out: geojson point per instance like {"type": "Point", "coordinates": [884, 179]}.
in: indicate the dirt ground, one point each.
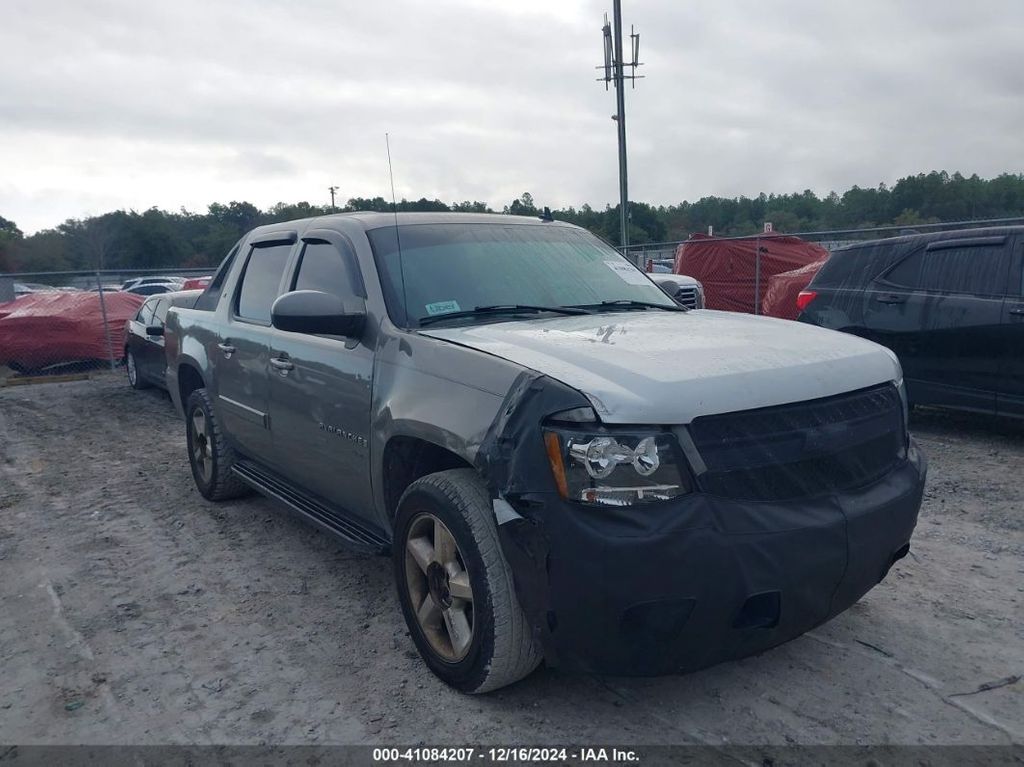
{"type": "Point", "coordinates": [134, 612]}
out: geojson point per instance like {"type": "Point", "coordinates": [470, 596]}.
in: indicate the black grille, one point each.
{"type": "Point", "coordinates": [688, 297]}
{"type": "Point", "coordinates": [803, 449]}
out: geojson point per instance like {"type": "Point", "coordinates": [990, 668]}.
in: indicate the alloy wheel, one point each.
{"type": "Point", "coordinates": [439, 587]}
{"type": "Point", "coordinates": [201, 454]}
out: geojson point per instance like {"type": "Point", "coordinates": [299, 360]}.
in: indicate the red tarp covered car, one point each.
{"type": "Point", "coordinates": [728, 268]}
{"type": "Point", "coordinates": [780, 298]}
{"type": "Point", "coordinates": [43, 329]}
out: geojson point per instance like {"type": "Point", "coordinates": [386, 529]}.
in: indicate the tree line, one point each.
{"type": "Point", "coordinates": [160, 239]}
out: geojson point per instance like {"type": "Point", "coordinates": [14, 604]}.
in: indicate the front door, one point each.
{"type": "Point", "coordinates": [320, 389]}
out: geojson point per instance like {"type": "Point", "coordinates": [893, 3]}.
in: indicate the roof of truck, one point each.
{"type": "Point", "coordinates": [375, 220]}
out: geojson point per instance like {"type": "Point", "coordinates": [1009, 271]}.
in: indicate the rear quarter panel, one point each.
{"type": "Point", "coordinates": [188, 335]}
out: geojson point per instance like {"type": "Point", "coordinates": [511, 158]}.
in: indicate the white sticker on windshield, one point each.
{"type": "Point", "coordinates": [628, 272]}
{"type": "Point", "coordinates": [442, 307]}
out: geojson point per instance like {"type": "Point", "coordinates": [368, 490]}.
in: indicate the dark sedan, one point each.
{"type": "Point", "coordinates": [144, 338]}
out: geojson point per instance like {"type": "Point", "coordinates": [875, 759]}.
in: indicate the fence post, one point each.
{"type": "Point", "coordinates": [757, 275]}
{"type": "Point", "coordinates": [106, 325]}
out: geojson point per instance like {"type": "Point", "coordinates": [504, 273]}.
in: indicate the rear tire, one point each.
{"type": "Point", "coordinates": [452, 577]}
{"type": "Point", "coordinates": [209, 454]}
{"type": "Point", "coordinates": [134, 379]}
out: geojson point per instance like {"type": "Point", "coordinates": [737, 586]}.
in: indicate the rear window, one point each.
{"type": "Point", "coordinates": [973, 270]}
{"type": "Point", "coordinates": [261, 281]}
{"type": "Point", "coordinates": [145, 315]}
{"type": "Point", "coordinates": [160, 314]}
{"type": "Point", "coordinates": [150, 290]}
{"type": "Point", "coordinates": [857, 266]}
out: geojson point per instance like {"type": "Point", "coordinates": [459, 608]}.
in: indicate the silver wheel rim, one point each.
{"type": "Point", "coordinates": [132, 372]}
{"type": "Point", "coordinates": [202, 459]}
{"type": "Point", "coordinates": [439, 587]}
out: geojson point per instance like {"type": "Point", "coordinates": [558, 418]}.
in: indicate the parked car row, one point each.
{"type": "Point", "coordinates": [143, 286]}
{"type": "Point", "coordinates": [29, 288]}
{"type": "Point", "coordinates": [152, 286]}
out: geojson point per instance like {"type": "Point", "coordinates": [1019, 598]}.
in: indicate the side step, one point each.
{"type": "Point", "coordinates": [333, 521]}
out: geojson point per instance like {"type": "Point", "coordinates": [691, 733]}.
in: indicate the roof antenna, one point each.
{"type": "Point", "coordinates": [398, 235]}
{"type": "Point", "coordinates": [546, 215]}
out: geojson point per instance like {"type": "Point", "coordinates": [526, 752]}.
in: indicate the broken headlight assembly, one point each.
{"type": "Point", "coordinates": [610, 468]}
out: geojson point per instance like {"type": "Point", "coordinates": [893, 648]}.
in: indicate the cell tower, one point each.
{"type": "Point", "coordinates": [615, 66]}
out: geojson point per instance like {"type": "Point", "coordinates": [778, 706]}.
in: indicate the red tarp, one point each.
{"type": "Point", "coordinates": [780, 298]}
{"type": "Point", "coordinates": [43, 329]}
{"type": "Point", "coordinates": [727, 268]}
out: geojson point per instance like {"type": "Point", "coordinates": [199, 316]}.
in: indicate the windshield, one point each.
{"type": "Point", "coordinates": [456, 268]}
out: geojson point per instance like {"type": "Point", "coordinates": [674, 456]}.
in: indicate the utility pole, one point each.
{"type": "Point", "coordinates": [615, 66]}
{"type": "Point", "coordinates": [332, 190]}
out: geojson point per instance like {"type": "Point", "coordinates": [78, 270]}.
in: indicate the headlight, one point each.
{"type": "Point", "coordinates": [615, 469]}
{"type": "Point", "coordinates": [902, 388]}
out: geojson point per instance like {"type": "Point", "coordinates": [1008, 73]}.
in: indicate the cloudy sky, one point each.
{"type": "Point", "coordinates": [112, 104]}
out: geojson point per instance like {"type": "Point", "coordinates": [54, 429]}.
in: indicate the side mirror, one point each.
{"type": "Point", "coordinates": [318, 313]}
{"type": "Point", "coordinates": [154, 330]}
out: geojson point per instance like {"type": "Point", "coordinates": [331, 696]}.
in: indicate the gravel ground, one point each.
{"type": "Point", "coordinates": [135, 612]}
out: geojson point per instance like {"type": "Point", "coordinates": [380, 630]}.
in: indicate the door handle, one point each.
{"type": "Point", "coordinates": [891, 299]}
{"type": "Point", "coordinates": [228, 350]}
{"type": "Point", "coordinates": [282, 365]}
{"type": "Point", "coordinates": [1018, 310]}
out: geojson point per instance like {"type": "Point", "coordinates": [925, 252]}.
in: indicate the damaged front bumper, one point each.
{"type": "Point", "coordinates": [687, 583]}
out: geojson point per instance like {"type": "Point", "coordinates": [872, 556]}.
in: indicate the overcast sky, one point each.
{"type": "Point", "coordinates": [112, 104]}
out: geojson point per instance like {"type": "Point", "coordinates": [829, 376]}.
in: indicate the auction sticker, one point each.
{"type": "Point", "coordinates": [627, 272]}
{"type": "Point", "coordinates": [442, 307]}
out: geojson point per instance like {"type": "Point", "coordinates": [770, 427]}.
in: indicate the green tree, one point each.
{"type": "Point", "coordinates": [10, 237]}
{"type": "Point", "coordinates": [523, 206]}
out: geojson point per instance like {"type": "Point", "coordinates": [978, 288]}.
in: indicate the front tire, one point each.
{"type": "Point", "coordinates": [209, 454]}
{"type": "Point", "coordinates": [456, 588]}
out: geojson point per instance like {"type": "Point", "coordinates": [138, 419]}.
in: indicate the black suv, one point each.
{"type": "Point", "coordinates": [949, 304]}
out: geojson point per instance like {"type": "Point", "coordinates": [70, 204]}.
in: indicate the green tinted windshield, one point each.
{"type": "Point", "coordinates": [448, 268]}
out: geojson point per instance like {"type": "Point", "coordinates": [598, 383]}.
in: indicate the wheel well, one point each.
{"type": "Point", "coordinates": [406, 459]}
{"type": "Point", "coordinates": [189, 380]}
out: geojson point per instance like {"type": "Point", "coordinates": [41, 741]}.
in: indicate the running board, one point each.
{"type": "Point", "coordinates": [323, 516]}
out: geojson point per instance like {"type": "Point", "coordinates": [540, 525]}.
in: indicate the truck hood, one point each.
{"type": "Point", "coordinates": [671, 367]}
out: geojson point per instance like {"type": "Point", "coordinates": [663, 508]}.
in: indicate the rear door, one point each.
{"type": "Point", "coordinates": [939, 309]}
{"type": "Point", "coordinates": [240, 356]}
{"type": "Point", "coordinates": [1010, 399]}
{"type": "Point", "coordinates": [320, 387]}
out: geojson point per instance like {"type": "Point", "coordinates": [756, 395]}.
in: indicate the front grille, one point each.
{"type": "Point", "coordinates": [688, 297]}
{"type": "Point", "coordinates": [803, 449]}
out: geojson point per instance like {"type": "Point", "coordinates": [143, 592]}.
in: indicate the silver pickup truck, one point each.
{"type": "Point", "coordinates": [563, 463]}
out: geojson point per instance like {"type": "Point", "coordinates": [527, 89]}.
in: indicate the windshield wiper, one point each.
{"type": "Point", "coordinates": [629, 303]}
{"type": "Point", "coordinates": [479, 311]}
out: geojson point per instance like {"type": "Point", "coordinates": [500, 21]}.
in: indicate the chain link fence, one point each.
{"type": "Point", "coordinates": [60, 325]}
{"type": "Point", "coordinates": [73, 323]}
{"type": "Point", "coordinates": [661, 256]}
